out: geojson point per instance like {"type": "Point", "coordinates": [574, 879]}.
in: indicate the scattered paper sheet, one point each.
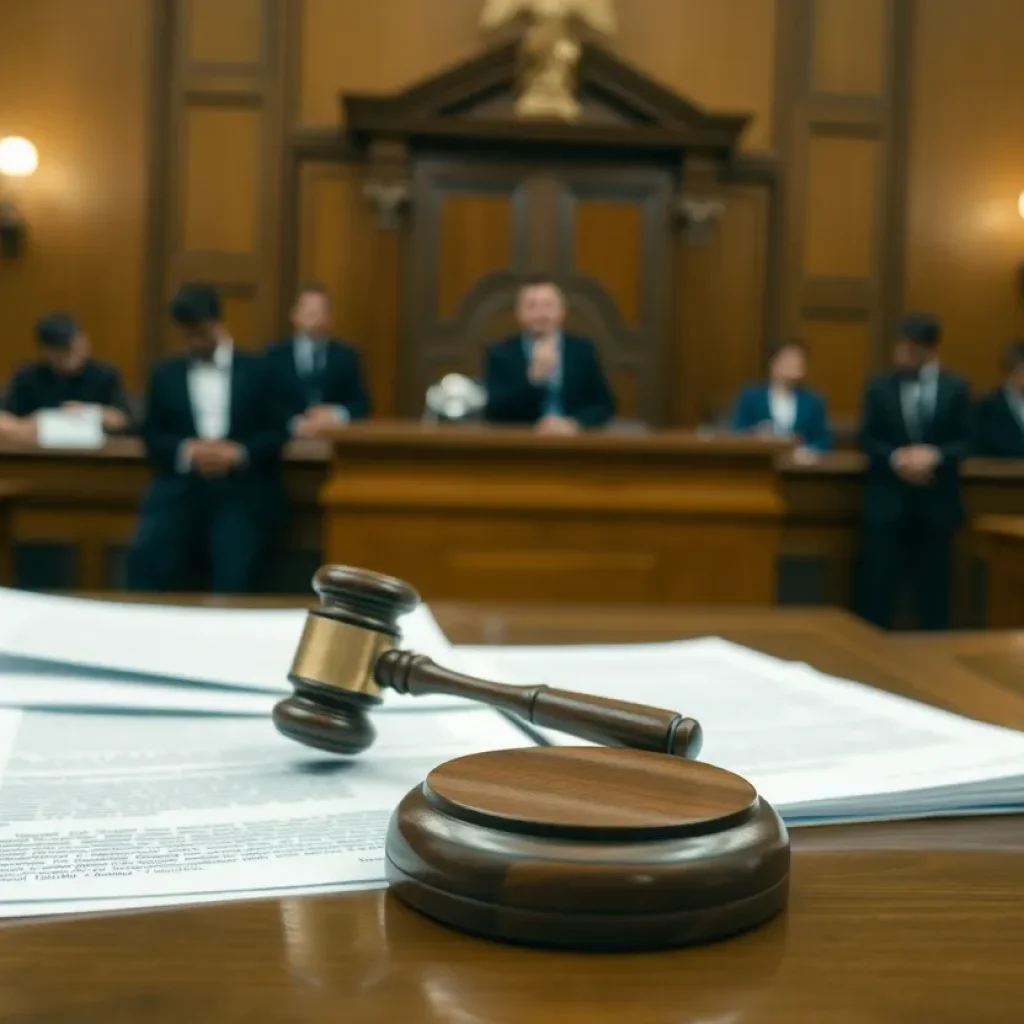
{"type": "Point", "coordinates": [250, 649]}
{"type": "Point", "coordinates": [109, 807]}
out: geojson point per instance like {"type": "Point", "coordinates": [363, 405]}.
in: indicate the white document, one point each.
{"type": "Point", "coordinates": [70, 692]}
{"type": "Point", "coordinates": [114, 807]}
{"type": "Point", "coordinates": [250, 649]}
{"type": "Point", "coordinates": [818, 748]}
{"type": "Point", "coordinates": [81, 427]}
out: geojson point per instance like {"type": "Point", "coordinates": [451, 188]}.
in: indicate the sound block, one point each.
{"type": "Point", "coordinates": [589, 848]}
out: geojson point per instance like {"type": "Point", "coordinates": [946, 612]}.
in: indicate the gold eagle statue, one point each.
{"type": "Point", "coordinates": [550, 50]}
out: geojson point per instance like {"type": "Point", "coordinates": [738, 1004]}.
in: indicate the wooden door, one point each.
{"type": "Point", "coordinates": [603, 231]}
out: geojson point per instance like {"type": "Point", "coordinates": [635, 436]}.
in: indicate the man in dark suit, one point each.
{"type": "Point", "coordinates": [214, 434]}
{"type": "Point", "coordinates": [64, 377]}
{"type": "Point", "coordinates": [999, 417]}
{"type": "Point", "coordinates": [915, 433]}
{"type": "Point", "coordinates": [784, 407]}
{"type": "Point", "coordinates": [319, 380]}
{"type": "Point", "coordinates": [543, 376]}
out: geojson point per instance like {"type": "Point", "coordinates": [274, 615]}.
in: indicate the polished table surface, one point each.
{"type": "Point", "coordinates": [910, 922]}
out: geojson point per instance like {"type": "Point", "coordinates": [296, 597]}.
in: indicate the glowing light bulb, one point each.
{"type": "Point", "coordinates": [18, 157]}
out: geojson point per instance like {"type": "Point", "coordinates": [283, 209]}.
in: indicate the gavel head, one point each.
{"type": "Point", "coordinates": [333, 669]}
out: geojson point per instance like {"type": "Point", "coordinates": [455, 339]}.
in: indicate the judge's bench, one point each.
{"type": "Point", "coordinates": [477, 513]}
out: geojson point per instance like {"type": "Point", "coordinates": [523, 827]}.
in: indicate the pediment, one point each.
{"type": "Point", "coordinates": [473, 102]}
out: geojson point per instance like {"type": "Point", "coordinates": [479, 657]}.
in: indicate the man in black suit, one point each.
{"type": "Point", "coordinates": [999, 417]}
{"type": "Point", "coordinates": [915, 432]}
{"type": "Point", "coordinates": [214, 434]}
{"type": "Point", "coordinates": [319, 380]}
{"type": "Point", "coordinates": [65, 377]}
{"type": "Point", "coordinates": [543, 376]}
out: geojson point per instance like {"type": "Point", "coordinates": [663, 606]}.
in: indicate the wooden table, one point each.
{"type": "Point", "coordinates": [89, 501]}
{"type": "Point", "coordinates": [1003, 538]}
{"type": "Point", "coordinates": [10, 491]}
{"type": "Point", "coordinates": [888, 924]}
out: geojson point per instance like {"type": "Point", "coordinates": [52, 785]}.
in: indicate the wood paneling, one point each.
{"type": "Point", "coordinates": [222, 158]}
{"type": "Point", "coordinates": [838, 362]}
{"type": "Point", "coordinates": [221, 182]}
{"type": "Point", "coordinates": [224, 31]}
{"type": "Point", "coordinates": [964, 237]}
{"type": "Point", "coordinates": [722, 287]}
{"type": "Point", "coordinates": [74, 78]}
{"type": "Point", "coordinates": [845, 69]}
{"type": "Point", "coordinates": [608, 237]}
{"type": "Point", "coordinates": [849, 47]}
{"type": "Point", "coordinates": [475, 239]}
{"type": "Point", "coordinates": [718, 52]}
{"type": "Point", "coordinates": [841, 200]}
{"type": "Point", "coordinates": [335, 233]}
{"type": "Point", "coordinates": [241, 317]}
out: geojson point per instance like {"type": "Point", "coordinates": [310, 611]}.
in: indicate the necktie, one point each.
{"type": "Point", "coordinates": [315, 374]}
{"type": "Point", "coordinates": [923, 410]}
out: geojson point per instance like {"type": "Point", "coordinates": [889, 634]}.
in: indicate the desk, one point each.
{"type": "Point", "coordinates": [1003, 538]}
{"type": "Point", "coordinates": [9, 491]}
{"type": "Point", "coordinates": [888, 924]}
{"type": "Point", "coordinates": [89, 500]}
{"type": "Point", "coordinates": [505, 514]}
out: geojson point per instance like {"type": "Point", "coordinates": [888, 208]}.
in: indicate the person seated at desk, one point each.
{"type": "Point", "coordinates": [319, 380]}
{"type": "Point", "coordinates": [915, 432]}
{"type": "Point", "coordinates": [214, 433]}
{"type": "Point", "coordinates": [543, 376]}
{"type": "Point", "coordinates": [783, 407]}
{"type": "Point", "coordinates": [999, 417]}
{"type": "Point", "coordinates": [65, 377]}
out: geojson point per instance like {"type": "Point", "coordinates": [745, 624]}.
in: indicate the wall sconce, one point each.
{"type": "Point", "coordinates": [18, 160]}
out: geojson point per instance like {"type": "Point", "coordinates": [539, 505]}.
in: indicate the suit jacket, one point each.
{"type": "Point", "coordinates": [341, 384]}
{"type": "Point", "coordinates": [512, 398]}
{"type": "Point", "coordinates": [255, 421]}
{"type": "Point", "coordinates": [997, 431]}
{"type": "Point", "coordinates": [38, 386]}
{"type": "Point", "coordinates": [889, 499]}
{"type": "Point", "coordinates": [811, 424]}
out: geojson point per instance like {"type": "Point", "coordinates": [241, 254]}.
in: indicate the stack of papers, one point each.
{"type": "Point", "coordinates": [139, 766]}
{"type": "Point", "coordinates": [820, 749]}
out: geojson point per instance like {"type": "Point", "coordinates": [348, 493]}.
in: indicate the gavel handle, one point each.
{"type": "Point", "coordinates": [611, 723]}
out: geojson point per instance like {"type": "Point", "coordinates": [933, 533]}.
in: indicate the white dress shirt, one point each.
{"type": "Point", "coordinates": [919, 398]}
{"type": "Point", "coordinates": [209, 392]}
{"type": "Point", "coordinates": [1015, 400]}
{"type": "Point", "coordinates": [782, 406]}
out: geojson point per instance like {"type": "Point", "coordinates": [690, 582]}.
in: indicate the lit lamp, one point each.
{"type": "Point", "coordinates": [18, 160]}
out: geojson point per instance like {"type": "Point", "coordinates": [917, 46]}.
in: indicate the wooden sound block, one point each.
{"type": "Point", "coordinates": [589, 848]}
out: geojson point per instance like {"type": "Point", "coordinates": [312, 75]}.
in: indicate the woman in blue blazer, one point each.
{"type": "Point", "coordinates": [784, 407]}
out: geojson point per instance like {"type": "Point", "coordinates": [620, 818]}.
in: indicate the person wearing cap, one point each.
{"type": "Point", "coordinates": [915, 431]}
{"type": "Point", "coordinates": [64, 377]}
{"type": "Point", "coordinates": [214, 433]}
{"type": "Point", "coordinates": [999, 416]}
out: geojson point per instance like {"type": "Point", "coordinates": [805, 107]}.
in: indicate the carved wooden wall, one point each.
{"type": "Point", "coordinates": [603, 231]}
{"type": "Point", "coordinates": [216, 120]}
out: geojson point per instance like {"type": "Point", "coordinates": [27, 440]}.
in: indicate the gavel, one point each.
{"type": "Point", "coordinates": [616, 846]}
{"type": "Point", "coordinates": [348, 655]}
